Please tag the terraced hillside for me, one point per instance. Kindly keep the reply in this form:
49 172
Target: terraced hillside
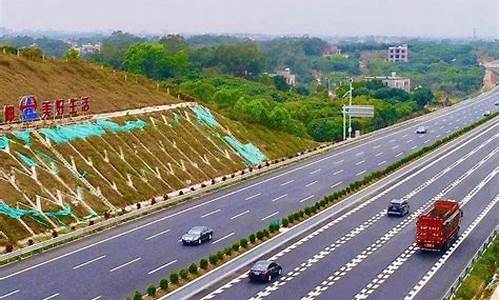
61 176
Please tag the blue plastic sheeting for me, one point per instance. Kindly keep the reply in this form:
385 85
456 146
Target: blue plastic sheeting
4 142
205 115
249 152
68 133
19 213
24 136
26 159
128 127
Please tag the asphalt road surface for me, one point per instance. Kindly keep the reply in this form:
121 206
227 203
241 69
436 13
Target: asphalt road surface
111 264
370 255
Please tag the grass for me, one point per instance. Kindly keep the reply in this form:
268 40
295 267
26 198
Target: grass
482 273
54 79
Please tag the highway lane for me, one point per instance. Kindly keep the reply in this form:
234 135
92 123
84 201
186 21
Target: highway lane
338 261
113 263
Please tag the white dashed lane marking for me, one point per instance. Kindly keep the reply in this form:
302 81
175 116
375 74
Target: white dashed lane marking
253 196
378 154
162 267
87 262
270 216
314 172
311 183
335 184
211 213
338 172
9 294
51 296
223 238
361 173
306 198
288 182
280 197
240 214
125 264
359 162
381 163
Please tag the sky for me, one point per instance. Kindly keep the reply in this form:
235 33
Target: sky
411 18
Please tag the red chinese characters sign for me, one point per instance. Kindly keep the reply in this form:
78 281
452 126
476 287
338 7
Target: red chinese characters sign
31 109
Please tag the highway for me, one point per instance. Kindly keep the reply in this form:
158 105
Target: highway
369 255
111 264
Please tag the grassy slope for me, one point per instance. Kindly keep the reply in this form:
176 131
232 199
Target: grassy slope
169 154
53 79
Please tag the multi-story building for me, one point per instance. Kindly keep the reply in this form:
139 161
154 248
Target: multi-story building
288 75
398 53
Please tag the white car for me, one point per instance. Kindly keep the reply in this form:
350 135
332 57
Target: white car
421 130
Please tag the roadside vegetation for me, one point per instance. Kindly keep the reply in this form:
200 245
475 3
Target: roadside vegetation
483 277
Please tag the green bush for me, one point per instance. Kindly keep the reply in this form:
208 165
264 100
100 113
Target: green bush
204 263
284 221
151 290
193 269
296 216
137 296
183 273
307 210
290 218
174 277
260 235
213 259
164 284
251 238
236 246
243 243
228 251
265 232
220 255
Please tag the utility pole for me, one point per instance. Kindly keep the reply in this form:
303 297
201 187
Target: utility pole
350 103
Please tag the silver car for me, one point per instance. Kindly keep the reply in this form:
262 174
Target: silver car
421 130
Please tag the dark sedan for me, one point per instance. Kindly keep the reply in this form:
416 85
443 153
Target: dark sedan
197 235
264 270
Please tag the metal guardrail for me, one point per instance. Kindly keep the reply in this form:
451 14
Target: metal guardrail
450 293
188 193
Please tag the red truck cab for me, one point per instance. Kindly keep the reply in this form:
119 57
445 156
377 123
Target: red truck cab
438 227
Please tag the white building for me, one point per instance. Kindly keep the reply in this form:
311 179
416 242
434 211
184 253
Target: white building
394 81
288 75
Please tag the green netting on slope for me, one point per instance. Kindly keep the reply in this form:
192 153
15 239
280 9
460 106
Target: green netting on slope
4 142
24 136
19 213
67 133
249 152
26 159
205 115
114 127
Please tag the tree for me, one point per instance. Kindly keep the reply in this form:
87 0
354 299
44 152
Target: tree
72 54
422 96
280 83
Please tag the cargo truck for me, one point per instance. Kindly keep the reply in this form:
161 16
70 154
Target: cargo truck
438 227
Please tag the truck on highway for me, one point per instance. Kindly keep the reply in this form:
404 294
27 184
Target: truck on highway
438 227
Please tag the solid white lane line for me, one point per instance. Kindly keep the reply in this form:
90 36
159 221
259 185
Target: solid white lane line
270 216
280 197
162 267
359 173
9 294
211 213
88 262
399 154
360 153
380 153
156 234
253 196
125 264
285 183
240 214
314 172
51 296
223 238
338 172
335 184
306 198
381 163
359 162
311 183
